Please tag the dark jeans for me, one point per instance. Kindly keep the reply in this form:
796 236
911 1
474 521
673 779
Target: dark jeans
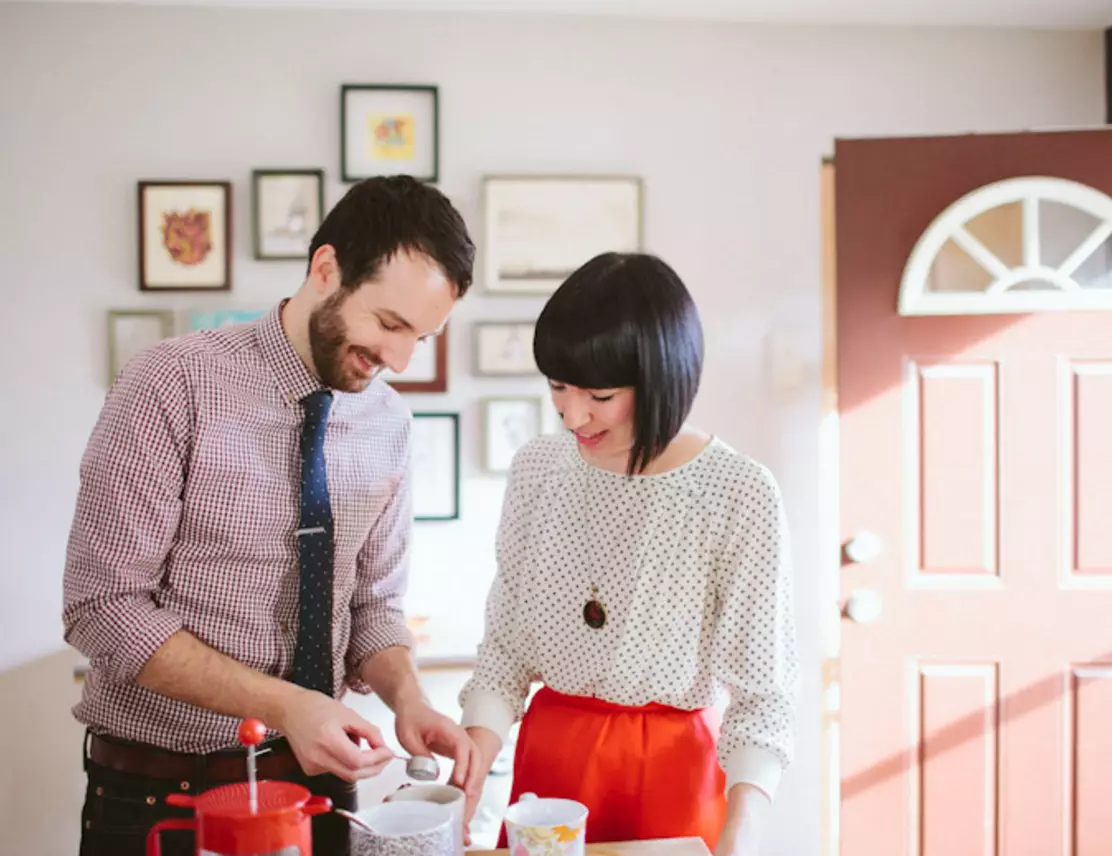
120 808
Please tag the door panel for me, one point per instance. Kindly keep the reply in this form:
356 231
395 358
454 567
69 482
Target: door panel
977 449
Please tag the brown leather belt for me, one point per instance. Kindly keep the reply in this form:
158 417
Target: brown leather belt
139 759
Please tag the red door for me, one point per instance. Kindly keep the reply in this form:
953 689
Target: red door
976 497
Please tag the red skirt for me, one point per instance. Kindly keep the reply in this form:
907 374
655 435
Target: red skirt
643 772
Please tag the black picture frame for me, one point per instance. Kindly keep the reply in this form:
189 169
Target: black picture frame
347 172
258 176
453 470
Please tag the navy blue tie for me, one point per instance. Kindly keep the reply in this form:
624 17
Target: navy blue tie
312 662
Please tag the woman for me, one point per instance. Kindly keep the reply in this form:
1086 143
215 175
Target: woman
642 566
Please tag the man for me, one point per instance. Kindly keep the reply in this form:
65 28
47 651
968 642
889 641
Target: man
240 543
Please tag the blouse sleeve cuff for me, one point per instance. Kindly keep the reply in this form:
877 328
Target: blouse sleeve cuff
488 710
754 766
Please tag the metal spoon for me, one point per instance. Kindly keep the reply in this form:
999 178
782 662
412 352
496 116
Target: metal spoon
358 821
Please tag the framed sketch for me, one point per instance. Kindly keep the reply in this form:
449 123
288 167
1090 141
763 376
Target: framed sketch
216 318
508 424
185 235
288 209
538 229
434 455
389 130
504 349
131 331
428 367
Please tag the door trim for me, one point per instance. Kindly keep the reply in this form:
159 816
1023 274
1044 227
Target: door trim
829 529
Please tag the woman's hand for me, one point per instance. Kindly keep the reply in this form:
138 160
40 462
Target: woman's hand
487 745
745 811
739 843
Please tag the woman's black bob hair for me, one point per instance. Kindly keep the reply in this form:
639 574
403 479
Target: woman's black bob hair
627 320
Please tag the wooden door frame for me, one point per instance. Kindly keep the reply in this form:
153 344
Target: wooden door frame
829 527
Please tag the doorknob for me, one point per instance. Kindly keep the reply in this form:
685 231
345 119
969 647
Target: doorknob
864 606
864 547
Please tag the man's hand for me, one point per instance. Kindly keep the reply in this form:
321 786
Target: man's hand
326 736
423 731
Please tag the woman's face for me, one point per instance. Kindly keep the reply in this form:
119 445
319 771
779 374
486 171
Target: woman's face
600 419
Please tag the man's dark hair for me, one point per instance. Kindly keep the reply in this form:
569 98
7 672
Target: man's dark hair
627 320
380 217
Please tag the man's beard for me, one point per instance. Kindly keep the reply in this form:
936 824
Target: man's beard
328 343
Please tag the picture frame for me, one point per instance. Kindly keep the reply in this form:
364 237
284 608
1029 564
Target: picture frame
389 129
435 462
504 349
185 235
132 331
287 210
428 367
538 229
214 319
508 424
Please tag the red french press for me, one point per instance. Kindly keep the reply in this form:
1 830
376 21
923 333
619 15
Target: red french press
249 818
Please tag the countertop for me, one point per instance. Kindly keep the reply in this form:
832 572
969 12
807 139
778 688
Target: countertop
660 847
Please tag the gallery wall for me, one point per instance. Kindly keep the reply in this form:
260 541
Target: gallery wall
724 124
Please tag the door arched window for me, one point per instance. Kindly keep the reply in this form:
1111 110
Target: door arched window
1027 244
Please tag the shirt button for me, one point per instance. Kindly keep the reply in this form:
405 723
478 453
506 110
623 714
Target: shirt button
285 627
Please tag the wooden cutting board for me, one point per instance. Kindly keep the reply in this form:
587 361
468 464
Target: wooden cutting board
660 847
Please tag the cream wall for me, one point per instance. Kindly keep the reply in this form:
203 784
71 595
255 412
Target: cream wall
726 123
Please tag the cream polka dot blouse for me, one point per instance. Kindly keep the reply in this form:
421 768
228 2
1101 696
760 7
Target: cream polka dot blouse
693 570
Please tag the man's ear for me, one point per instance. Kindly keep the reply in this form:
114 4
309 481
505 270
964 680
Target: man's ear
324 270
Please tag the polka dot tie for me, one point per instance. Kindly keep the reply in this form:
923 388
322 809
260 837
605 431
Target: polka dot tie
312 664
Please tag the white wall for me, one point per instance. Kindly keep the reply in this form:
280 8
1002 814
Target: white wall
727 124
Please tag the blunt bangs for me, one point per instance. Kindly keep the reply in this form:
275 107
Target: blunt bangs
626 320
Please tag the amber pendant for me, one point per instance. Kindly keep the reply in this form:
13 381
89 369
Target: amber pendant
594 613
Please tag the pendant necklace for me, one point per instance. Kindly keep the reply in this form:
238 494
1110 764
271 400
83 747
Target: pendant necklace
594 613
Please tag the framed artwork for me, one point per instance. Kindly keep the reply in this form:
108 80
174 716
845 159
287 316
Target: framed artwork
434 455
389 130
538 229
504 349
288 209
508 424
216 318
185 235
428 367
131 331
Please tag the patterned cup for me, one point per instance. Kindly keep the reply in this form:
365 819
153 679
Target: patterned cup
544 826
446 795
404 829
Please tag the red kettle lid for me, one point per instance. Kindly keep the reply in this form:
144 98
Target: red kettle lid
234 800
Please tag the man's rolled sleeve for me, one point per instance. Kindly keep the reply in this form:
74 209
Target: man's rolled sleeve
381 576
127 513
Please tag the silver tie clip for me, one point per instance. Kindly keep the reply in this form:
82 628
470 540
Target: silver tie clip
312 530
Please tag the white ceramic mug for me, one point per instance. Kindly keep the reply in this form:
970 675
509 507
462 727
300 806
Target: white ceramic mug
546 826
404 829
445 795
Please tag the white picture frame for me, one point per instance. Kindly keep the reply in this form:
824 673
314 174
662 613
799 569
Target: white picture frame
505 349
435 466
132 331
508 424
538 229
